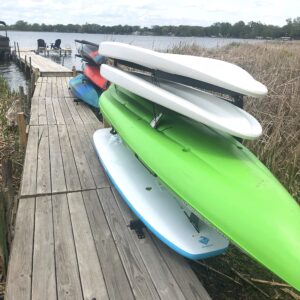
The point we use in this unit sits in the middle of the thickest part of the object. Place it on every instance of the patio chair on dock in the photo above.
(41, 45)
(56, 45)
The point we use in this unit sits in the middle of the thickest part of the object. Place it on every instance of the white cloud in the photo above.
(149, 12)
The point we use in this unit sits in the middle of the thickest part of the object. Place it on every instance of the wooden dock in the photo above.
(40, 65)
(72, 239)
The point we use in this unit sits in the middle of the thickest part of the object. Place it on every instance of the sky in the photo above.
(149, 12)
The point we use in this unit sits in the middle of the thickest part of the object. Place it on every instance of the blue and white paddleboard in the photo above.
(157, 207)
(83, 89)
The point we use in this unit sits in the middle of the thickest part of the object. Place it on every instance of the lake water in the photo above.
(29, 40)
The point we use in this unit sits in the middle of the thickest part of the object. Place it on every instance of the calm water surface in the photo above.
(29, 40)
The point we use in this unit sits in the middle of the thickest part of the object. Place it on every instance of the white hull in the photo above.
(160, 210)
(192, 103)
(212, 71)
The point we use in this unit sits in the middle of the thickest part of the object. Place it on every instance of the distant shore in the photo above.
(242, 30)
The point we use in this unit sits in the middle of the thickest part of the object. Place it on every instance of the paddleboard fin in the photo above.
(193, 218)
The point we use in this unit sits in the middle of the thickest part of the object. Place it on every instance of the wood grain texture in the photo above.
(51, 120)
(65, 111)
(72, 105)
(58, 182)
(67, 273)
(42, 104)
(57, 111)
(139, 278)
(91, 156)
(90, 129)
(161, 276)
(60, 92)
(115, 277)
(84, 172)
(20, 266)
(29, 178)
(43, 274)
(34, 114)
(93, 285)
(43, 167)
(185, 277)
(69, 165)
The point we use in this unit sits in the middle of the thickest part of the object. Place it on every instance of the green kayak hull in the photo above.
(217, 176)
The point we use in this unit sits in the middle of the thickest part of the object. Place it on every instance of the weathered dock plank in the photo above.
(43, 184)
(70, 169)
(67, 273)
(58, 182)
(43, 269)
(139, 278)
(113, 271)
(84, 172)
(162, 277)
(29, 178)
(20, 262)
(93, 284)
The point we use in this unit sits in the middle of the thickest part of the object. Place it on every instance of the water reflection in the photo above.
(14, 76)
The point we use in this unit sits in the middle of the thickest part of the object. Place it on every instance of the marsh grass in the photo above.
(9, 137)
(277, 65)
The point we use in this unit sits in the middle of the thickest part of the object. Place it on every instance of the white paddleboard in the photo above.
(195, 104)
(156, 206)
(212, 71)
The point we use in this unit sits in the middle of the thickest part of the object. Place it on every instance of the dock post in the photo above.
(19, 55)
(15, 51)
(74, 71)
(25, 64)
(22, 129)
(22, 97)
(30, 66)
(33, 81)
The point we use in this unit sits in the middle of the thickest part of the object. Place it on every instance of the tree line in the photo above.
(220, 29)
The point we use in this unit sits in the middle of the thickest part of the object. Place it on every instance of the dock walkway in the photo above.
(41, 65)
(72, 239)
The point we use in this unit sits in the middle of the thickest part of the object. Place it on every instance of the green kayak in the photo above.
(217, 176)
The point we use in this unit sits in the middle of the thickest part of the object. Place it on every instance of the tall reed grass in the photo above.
(277, 65)
(9, 137)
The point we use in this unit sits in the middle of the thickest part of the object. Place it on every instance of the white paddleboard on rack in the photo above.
(156, 206)
(192, 103)
(216, 72)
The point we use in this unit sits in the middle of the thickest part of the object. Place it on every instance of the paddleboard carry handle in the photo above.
(239, 101)
(158, 74)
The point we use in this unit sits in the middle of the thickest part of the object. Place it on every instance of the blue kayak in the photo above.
(83, 89)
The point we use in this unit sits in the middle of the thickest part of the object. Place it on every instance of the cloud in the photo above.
(149, 12)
